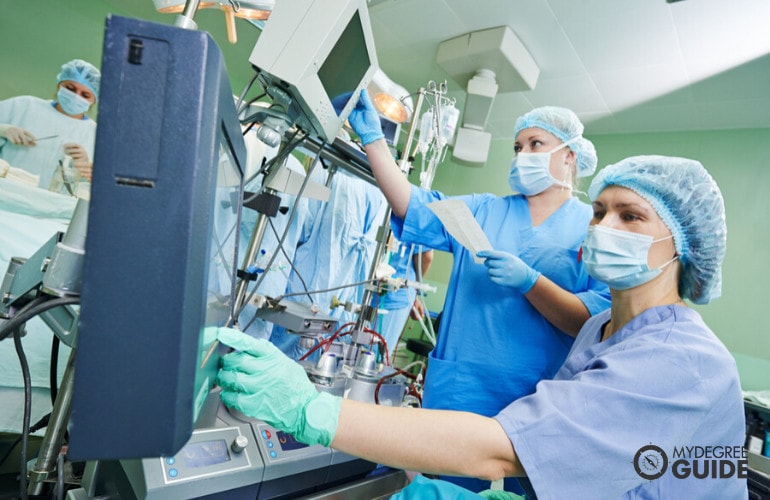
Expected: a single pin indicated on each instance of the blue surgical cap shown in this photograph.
(82, 72)
(564, 124)
(690, 204)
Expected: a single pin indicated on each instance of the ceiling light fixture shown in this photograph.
(252, 10)
(485, 62)
(391, 99)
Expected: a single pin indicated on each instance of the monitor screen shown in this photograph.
(346, 65)
(161, 243)
(320, 57)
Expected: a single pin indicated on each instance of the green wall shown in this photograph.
(38, 36)
(737, 161)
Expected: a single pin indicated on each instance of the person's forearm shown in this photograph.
(430, 441)
(560, 307)
(393, 183)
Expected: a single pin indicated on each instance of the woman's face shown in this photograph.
(79, 89)
(537, 140)
(622, 209)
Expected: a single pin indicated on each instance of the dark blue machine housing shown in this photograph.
(161, 245)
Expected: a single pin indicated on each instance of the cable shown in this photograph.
(53, 376)
(34, 308)
(381, 380)
(337, 334)
(292, 214)
(383, 342)
(38, 306)
(290, 261)
(281, 297)
(245, 91)
(27, 412)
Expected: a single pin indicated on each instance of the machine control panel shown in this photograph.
(208, 452)
(284, 455)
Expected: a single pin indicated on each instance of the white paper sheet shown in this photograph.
(458, 220)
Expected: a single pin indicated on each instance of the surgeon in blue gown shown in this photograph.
(408, 261)
(514, 317)
(336, 249)
(643, 379)
(287, 227)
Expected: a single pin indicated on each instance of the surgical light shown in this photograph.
(253, 10)
(391, 99)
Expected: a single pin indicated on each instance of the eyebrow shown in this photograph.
(625, 206)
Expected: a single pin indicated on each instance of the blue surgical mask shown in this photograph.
(72, 103)
(619, 258)
(531, 173)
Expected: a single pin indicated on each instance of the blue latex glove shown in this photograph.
(508, 270)
(365, 120)
(260, 381)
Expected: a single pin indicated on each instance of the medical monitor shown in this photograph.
(321, 54)
(161, 245)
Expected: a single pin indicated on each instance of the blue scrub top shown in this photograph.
(664, 379)
(493, 346)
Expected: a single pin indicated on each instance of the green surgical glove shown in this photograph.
(260, 381)
(500, 495)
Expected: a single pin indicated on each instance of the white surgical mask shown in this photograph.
(619, 258)
(530, 173)
(72, 103)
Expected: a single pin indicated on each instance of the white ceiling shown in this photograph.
(622, 65)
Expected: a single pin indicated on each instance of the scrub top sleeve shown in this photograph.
(580, 435)
(420, 224)
(596, 298)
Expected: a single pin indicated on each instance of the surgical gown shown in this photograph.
(271, 281)
(41, 118)
(493, 346)
(663, 380)
(337, 251)
(397, 304)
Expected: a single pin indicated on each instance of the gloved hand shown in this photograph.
(79, 159)
(263, 383)
(500, 495)
(508, 270)
(17, 135)
(421, 488)
(365, 121)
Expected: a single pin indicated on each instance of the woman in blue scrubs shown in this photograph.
(646, 384)
(514, 317)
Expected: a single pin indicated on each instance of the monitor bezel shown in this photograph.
(295, 44)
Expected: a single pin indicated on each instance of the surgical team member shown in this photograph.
(337, 248)
(403, 303)
(36, 133)
(515, 317)
(645, 375)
